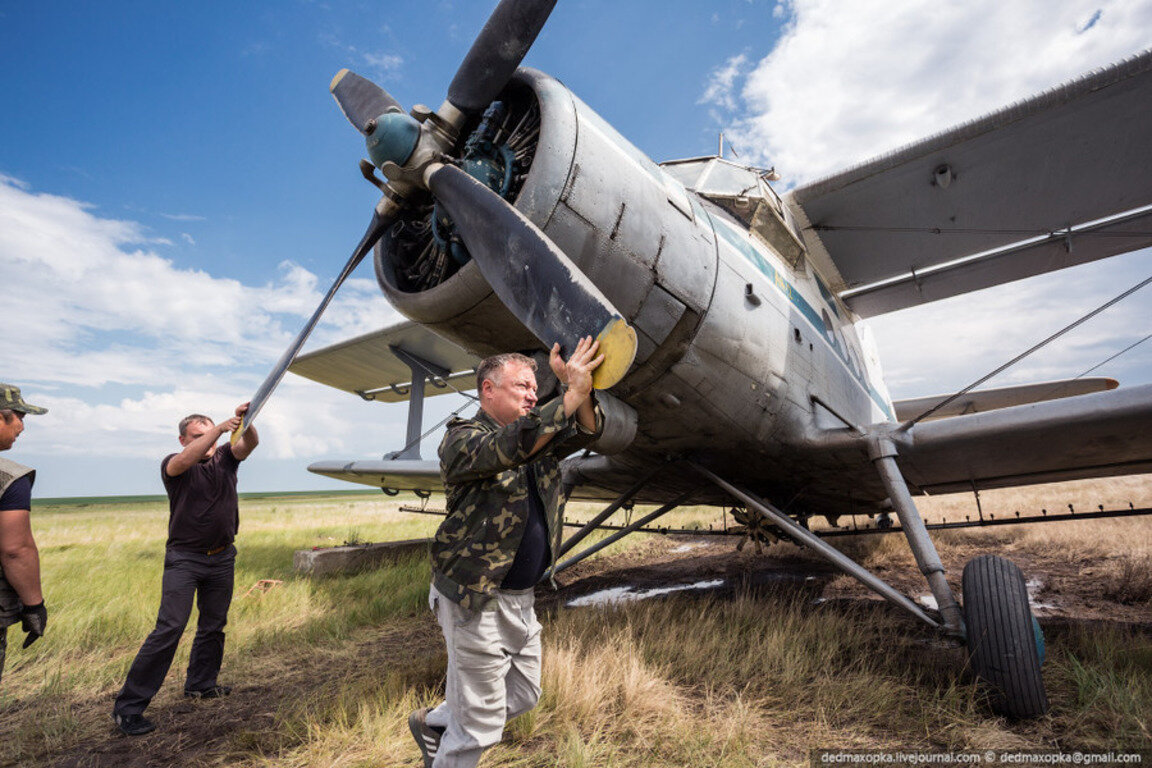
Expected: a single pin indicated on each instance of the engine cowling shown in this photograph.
(632, 228)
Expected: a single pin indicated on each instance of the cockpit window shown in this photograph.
(743, 192)
(686, 172)
(729, 180)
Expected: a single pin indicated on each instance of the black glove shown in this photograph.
(33, 619)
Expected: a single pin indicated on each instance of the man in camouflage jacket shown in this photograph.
(501, 473)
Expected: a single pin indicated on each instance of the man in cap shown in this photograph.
(199, 562)
(20, 596)
(501, 472)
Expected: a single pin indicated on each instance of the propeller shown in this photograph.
(382, 218)
(361, 100)
(533, 278)
(529, 273)
(497, 52)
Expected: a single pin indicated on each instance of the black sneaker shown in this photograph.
(214, 692)
(427, 737)
(133, 725)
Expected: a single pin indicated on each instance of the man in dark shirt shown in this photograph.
(21, 598)
(199, 562)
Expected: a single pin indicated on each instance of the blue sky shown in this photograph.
(177, 188)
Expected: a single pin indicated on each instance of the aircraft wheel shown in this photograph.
(1004, 641)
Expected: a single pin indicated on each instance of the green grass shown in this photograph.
(102, 567)
(698, 682)
(57, 503)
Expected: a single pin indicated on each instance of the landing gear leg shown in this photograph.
(882, 451)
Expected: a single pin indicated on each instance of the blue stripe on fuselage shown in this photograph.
(737, 239)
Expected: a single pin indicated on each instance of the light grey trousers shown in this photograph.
(493, 673)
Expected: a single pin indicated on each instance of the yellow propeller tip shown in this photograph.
(336, 80)
(618, 345)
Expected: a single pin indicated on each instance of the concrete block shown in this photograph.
(358, 557)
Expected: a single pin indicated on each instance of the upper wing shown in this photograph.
(1048, 183)
(371, 367)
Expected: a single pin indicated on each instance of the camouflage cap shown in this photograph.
(10, 400)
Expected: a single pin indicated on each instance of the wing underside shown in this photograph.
(378, 365)
(394, 474)
(1058, 180)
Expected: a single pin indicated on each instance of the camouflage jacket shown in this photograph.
(485, 471)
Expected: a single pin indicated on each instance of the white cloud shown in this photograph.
(380, 62)
(119, 342)
(721, 81)
(848, 81)
(386, 62)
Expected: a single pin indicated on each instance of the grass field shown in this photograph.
(326, 670)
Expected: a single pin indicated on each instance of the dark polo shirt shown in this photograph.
(532, 555)
(203, 510)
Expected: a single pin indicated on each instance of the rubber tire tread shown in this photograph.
(1001, 638)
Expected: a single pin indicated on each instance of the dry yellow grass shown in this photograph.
(756, 680)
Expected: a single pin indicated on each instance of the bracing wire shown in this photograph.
(908, 424)
(443, 421)
(433, 428)
(1113, 357)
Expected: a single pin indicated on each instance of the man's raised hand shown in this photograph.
(559, 369)
(230, 425)
(581, 364)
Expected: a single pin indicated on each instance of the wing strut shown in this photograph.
(421, 370)
(623, 499)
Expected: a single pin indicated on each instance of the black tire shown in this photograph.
(1002, 644)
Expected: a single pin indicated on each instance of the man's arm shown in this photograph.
(198, 448)
(249, 440)
(19, 556)
(469, 452)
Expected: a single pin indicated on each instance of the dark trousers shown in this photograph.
(209, 579)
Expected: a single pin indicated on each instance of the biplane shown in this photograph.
(739, 369)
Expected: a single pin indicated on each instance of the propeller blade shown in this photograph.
(532, 276)
(361, 100)
(381, 220)
(497, 52)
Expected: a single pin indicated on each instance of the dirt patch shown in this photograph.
(197, 733)
(1062, 590)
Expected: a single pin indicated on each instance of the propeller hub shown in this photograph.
(393, 139)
